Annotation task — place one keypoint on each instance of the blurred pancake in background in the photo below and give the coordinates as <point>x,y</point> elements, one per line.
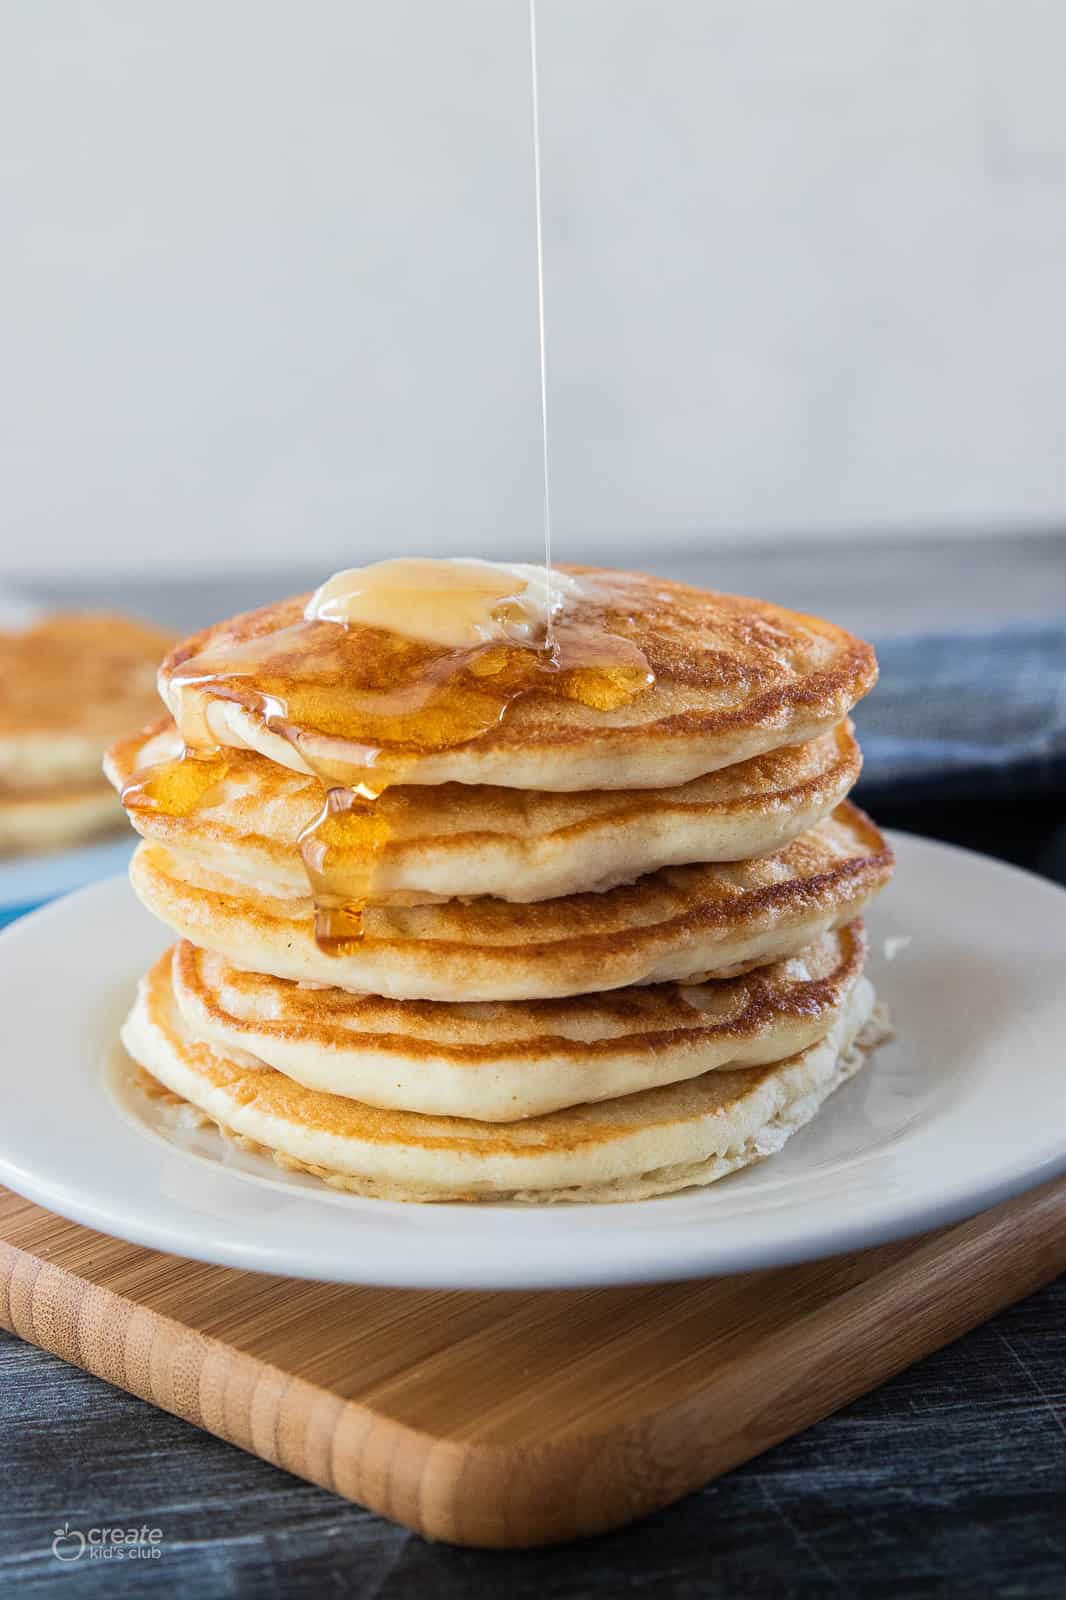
<point>69,685</point>
<point>49,819</point>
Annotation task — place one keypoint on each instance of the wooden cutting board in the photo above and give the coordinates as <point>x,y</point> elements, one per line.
<point>512,1418</point>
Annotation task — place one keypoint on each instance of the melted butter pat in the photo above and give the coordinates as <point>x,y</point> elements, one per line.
<point>455,604</point>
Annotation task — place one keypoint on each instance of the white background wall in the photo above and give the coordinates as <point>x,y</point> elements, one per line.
<point>267,274</point>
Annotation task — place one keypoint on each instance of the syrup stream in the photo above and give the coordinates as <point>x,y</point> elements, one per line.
<point>549,638</point>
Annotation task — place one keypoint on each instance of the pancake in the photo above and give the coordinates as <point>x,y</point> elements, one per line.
<point>650,1143</point>
<point>49,819</point>
<point>517,845</point>
<point>69,685</point>
<point>734,678</point>
<point>679,923</point>
<point>515,1059</point>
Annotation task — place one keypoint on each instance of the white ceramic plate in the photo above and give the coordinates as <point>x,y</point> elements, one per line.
<point>966,1107</point>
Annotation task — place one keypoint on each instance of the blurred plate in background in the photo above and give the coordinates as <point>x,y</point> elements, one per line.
<point>28,881</point>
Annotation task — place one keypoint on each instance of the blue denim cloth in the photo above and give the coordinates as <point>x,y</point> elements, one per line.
<point>980,712</point>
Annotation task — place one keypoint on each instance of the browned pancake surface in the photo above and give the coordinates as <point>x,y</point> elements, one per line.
<point>734,676</point>
<point>456,839</point>
<point>672,924</point>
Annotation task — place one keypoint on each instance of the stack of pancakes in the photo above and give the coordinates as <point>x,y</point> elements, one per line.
<point>605,953</point>
<point>68,685</point>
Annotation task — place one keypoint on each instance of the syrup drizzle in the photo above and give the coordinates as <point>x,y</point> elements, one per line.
<point>362,706</point>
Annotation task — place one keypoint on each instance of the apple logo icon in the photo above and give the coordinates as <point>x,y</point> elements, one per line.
<point>68,1544</point>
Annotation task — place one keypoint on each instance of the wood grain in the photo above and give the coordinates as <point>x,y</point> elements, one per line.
<point>512,1419</point>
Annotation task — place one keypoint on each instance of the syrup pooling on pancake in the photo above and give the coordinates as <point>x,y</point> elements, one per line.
<point>358,667</point>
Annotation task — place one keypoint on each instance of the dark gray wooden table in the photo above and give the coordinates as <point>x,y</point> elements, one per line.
<point>949,1481</point>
